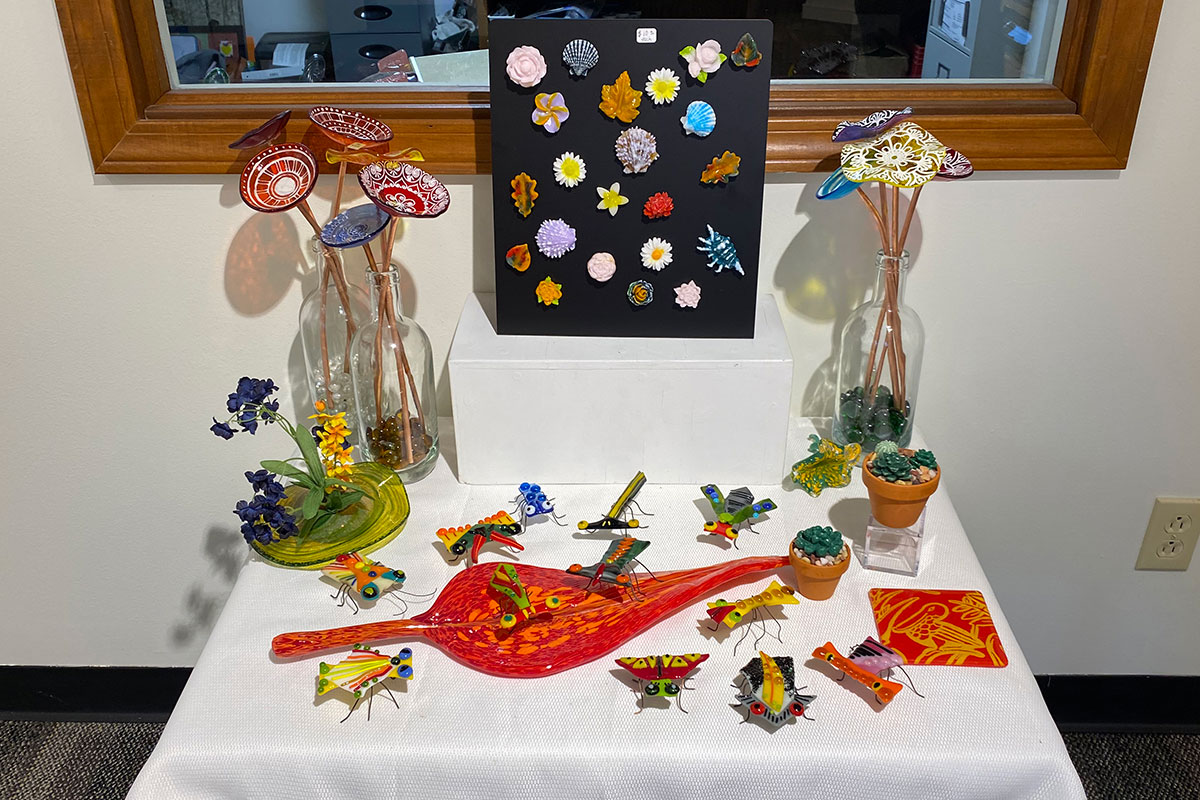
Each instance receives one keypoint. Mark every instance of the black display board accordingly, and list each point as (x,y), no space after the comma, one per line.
(739,96)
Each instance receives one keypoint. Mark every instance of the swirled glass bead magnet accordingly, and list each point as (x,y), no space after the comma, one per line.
(662,85)
(769,690)
(580,55)
(548,293)
(362,671)
(518,257)
(746,53)
(555,238)
(640,293)
(656,254)
(533,503)
(264,134)
(499,527)
(703,59)
(616,519)
(884,690)
(835,186)
(700,119)
(619,100)
(348,127)
(906,156)
(601,266)
(279,178)
(870,125)
(524,193)
(550,111)
(829,467)
(525,66)
(661,676)
(507,583)
(569,170)
(955,166)
(733,511)
(355,227)
(658,206)
(404,190)
(616,566)
(464,619)
(721,253)
(721,168)
(687,295)
(611,199)
(636,149)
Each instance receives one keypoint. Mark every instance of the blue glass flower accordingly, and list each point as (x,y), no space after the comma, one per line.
(836,185)
(355,227)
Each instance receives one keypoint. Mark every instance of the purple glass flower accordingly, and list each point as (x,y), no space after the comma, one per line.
(869,126)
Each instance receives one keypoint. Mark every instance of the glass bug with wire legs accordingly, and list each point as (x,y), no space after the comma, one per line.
(499,528)
(533,503)
(507,583)
(616,519)
(361,580)
(734,510)
(768,686)
(362,672)
(615,568)
(867,663)
(664,676)
(724,612)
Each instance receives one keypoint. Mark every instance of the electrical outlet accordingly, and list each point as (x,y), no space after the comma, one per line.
(1171,534)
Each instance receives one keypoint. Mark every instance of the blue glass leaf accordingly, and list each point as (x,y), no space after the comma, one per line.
(835,186)
(355,227)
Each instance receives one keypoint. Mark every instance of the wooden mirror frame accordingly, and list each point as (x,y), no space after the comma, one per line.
(136,123)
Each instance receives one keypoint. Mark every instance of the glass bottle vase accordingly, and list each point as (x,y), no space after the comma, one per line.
(879,363)
(392,371)
(329,317)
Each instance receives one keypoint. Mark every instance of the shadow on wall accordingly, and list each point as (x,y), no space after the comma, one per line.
(827,271)
(225,550)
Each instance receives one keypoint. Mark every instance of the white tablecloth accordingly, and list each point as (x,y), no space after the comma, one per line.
(249,725)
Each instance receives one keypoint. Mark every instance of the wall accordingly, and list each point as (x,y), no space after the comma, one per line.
(1060,380)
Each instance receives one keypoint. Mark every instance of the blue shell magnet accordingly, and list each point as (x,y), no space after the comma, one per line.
(721,252)
(700,118)
(835,186)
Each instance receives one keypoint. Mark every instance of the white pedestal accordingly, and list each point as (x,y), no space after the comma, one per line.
(560,409)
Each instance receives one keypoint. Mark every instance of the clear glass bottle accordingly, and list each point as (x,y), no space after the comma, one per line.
(392,370)
(880,405)
(326,331)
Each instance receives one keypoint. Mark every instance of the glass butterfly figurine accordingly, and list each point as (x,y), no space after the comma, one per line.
(362,672)
(499,528)
(733,511)
(769,690)
(507,583)
(867,663)
(724,612)
(615,568)
(533,503)
(664,676)
(615,519)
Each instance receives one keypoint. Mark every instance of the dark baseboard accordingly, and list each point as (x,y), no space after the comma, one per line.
(1122,703)
(1078,703)
(115,694)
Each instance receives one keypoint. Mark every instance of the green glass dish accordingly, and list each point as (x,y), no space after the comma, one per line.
(367,525)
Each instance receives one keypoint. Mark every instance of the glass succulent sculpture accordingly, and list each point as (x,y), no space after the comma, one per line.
(891,467)
(924,458)
(819,541)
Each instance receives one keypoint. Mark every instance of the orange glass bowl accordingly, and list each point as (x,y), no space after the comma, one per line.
(349,127)
(279,178)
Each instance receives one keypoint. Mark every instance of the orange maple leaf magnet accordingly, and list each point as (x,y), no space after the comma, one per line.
(722,168)
(620,100)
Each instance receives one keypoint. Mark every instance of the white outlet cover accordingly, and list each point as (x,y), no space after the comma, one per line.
(1169,544)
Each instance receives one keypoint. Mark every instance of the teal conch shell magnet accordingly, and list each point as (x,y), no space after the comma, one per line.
(829,466)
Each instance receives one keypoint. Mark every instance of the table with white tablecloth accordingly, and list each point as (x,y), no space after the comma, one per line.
(249,724)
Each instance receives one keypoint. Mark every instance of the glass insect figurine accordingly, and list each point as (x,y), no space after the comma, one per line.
(533,503)
(615,519)
(361,672)
(661,676)
(615,568)
(733,511)
(499,528)
(507,583)
(769,690)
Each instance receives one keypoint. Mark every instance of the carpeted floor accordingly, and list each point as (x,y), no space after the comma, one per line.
(99,760)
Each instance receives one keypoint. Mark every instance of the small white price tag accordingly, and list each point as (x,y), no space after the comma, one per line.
(647,35)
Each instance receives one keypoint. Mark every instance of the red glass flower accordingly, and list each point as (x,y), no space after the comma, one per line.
(279,177)
(347,127)
(403,190)
(659,205)
(263,134)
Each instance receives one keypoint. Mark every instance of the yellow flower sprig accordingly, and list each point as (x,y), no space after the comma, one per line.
(333,433)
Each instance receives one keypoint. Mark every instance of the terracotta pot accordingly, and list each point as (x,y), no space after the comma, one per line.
(818,582)
(897,505)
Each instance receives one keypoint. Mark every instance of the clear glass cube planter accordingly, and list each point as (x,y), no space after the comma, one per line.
(895,550)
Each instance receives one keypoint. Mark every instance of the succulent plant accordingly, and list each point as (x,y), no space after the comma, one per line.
(892,467)
(818,541)
(887,447)
(922,458)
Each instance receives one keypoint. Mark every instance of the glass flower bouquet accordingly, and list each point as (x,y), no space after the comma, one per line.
(330,505)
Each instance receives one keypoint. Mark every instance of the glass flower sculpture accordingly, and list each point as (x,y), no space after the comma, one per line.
(829,467)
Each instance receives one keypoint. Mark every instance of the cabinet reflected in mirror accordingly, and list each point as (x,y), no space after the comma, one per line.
(221,43)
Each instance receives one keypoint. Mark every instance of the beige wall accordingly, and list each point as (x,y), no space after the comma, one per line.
(1060,386)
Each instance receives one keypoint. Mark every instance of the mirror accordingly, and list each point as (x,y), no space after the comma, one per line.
(259,43)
